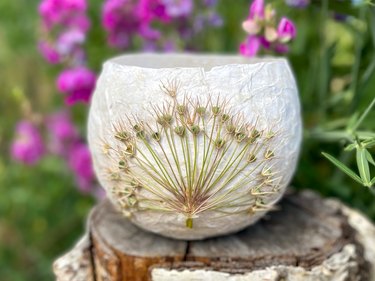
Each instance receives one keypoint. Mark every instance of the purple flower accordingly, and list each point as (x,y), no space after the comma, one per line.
(251,46)
(81,164)
(62,133)
(178,8)
(298,3)
(28,145)
(149,10)
(78,83)
(210,3)
(64,12)
(69,40)
(120,20)
(49,53)
(257,9)
(286,30)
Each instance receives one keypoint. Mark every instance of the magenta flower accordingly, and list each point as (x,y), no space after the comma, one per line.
(77,83)
(251,46)
(81,164)
(69,13)
(49,53)
(286,30)
(28,146)
(178,8)
(120,20)
(149,10)
(62,132)
(257,10)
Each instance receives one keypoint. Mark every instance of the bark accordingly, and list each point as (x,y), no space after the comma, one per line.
(307,238)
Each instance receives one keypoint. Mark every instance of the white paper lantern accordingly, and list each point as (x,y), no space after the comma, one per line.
(194,146)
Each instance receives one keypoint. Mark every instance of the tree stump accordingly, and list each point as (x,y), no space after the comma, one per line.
(307,238)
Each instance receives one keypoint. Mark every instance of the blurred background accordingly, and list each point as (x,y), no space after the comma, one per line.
(52,50)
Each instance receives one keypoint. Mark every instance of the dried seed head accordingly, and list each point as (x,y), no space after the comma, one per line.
(254,135)
(195,129)
(215,110)
(251,158)
(269,135)
(219,143)
(132,201)
(201,111)
(225,118)
(181,109)
(123,165)
(138,128)
(180,131)
(129,150)
(240,136)
(123,136)
(231,129)
(156,136)
(165,120)
(269,154)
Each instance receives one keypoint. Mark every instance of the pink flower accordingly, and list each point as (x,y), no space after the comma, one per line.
(69,40)
(49,53)
(78,83)
(28,145)
(251,46)
(251,26)
(257,9)
(81,164)
(286,30)
(62,131)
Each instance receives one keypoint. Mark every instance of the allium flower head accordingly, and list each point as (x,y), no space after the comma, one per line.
(77,83)
(28,145)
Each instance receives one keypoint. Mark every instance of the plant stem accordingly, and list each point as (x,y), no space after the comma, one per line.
(363,116)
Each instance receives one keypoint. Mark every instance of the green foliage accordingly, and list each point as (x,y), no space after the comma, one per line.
(42,213)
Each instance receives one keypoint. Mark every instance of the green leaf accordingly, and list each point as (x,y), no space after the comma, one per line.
(372,182)
(343,167)
(350,147)
(363,167)
(369,157)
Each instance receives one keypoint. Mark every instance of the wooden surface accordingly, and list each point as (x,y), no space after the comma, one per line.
(306,239)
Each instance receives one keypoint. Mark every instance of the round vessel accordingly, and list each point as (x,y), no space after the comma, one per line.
(194,146)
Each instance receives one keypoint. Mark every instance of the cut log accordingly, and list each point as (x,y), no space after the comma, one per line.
(307,238)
